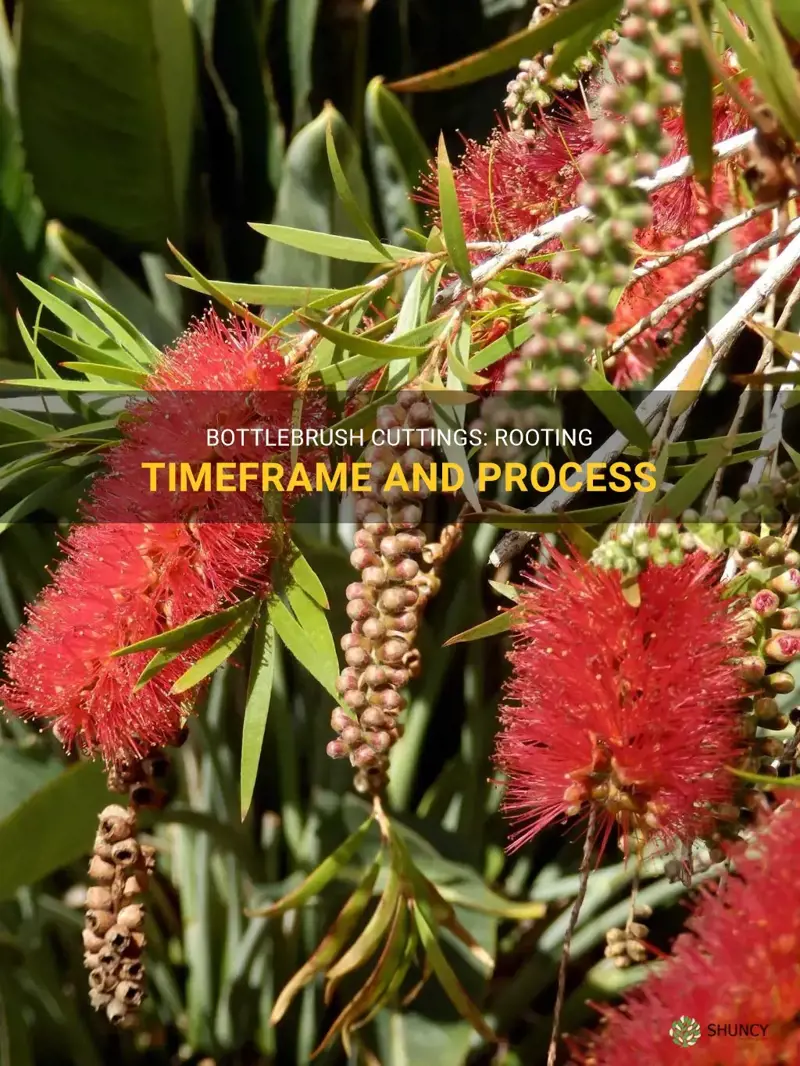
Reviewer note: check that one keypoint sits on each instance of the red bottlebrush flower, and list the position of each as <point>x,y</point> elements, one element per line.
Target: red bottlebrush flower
<point>520,179</point>
<point>735,971</point>
<point>630,709</point>
<point>148,563</point>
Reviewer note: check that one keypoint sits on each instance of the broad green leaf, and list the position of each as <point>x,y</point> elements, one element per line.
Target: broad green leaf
<point>220,651</point>
<point>450,214</point>
<point>184,636</point>
<point>301,24</point>
<point>352,249</point>
<point>789,14</point>
<point>259,692</point>
<point>697,115</point>
<point>319,878</point>
<point>61,817</point>
<point>501,623</point>
<point>351,205</point>
<point>107,96</point>
<point>616,409</point>
<point>21,775</point>
<point>314,622</point>
<point>506,54</point>
<point>377,350</point>
<point>399,158</point>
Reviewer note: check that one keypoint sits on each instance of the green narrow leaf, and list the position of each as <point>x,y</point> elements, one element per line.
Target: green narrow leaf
<point>259,692</point>
<point>697,114</point>
<point>39,361</point>
<point>686,491</point>
<point>303,573</point>
<point>218,294</point>
<point>452,226</point>
<point>616,409</point>
<point>362,950</point>
<point>320,877</point>
<point>330,244</point>
<point>108,373</point>
<point>502,347</point>
<point>351,206</point>
<point>220,651</point>
<point>82,327</point>
<point>378,350</point>
<point>190,632</point>
<point>448,980</point>
<point>108,355</point>
<point>301,644</point>
<point>332,943</point>
<point>123,331</point>
<point>266,295</point>
<point>506,54</point>
<point>314,622</point>
<point>155,666</point>
<point>501,623</point>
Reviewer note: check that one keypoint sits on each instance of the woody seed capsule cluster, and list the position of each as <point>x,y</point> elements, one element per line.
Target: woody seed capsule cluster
<point>113,936</point>
<point>532,87</point>
<point>626,946</point>
<point>598,255</point>
<point>398,577</point>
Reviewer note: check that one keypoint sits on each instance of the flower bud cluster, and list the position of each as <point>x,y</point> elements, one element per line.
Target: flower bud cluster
<point>598,253</point>
<point>113,936</point>
<point>626,946</point>
<point>631,549</point>
<point>772,623</point>
<point>398,575</point>
<point>532,86</point>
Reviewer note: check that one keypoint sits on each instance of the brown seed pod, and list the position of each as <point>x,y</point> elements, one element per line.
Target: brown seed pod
<point>98,898</point>
<point>131,918</point>
<point>118,937</point>
<point>101,871</point>
<point>116,823</point>
<point>99,922</point>
<point>125,852</point>
<point>129,993</point>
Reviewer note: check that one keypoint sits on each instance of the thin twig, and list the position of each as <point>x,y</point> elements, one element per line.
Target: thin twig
<point>584,871</point>
<point>774,421</point>
<point>721,337</point>
<point>701,282</point>
<point>524,246</point>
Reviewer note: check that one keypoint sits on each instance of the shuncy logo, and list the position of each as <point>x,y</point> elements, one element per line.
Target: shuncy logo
<point>685,1031</point>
